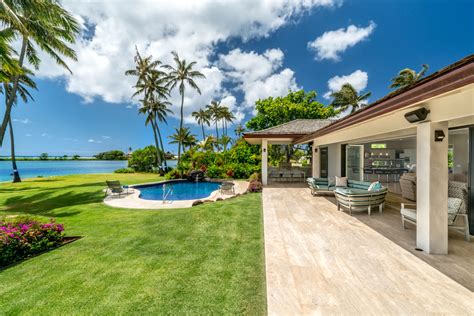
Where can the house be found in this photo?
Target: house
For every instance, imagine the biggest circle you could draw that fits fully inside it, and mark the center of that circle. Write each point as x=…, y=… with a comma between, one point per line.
x=426, y=129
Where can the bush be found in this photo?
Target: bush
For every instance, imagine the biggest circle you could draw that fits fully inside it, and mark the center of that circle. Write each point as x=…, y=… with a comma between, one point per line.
x=124, y=170
x=255, y=176
x=111, y=155
x=25, y=237
x=255, y=186
x=173, y=174
x=215, y=172
x=143, y=160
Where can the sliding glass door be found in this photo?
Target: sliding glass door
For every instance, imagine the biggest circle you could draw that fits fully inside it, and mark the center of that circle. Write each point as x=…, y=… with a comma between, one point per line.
x=355, y=162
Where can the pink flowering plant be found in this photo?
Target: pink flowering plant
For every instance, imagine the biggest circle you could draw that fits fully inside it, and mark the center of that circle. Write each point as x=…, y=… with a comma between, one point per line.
x=25, y=237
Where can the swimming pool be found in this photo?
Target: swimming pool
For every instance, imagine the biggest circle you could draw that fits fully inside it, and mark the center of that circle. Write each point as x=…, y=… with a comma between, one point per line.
x=181, y=190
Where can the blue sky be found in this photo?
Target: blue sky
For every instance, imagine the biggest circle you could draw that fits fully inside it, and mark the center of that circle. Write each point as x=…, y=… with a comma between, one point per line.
x=245, y=58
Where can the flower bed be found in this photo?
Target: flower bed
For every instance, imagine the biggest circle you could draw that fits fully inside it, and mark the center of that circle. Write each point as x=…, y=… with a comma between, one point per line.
x=25, y=237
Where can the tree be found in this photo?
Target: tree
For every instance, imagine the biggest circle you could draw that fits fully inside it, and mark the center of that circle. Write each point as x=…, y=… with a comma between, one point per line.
x=43, y=156
x=180, y=75
x=406, y=77
x=76, y=157
x=24, y=82
x=143, y=159
x=111, y=155
x=207, y=143
x=183, y=136
x=239, y=130
x=151, y=85
x=202, y=117
x=296, y=105
x=225, y=140
x=39, y=24
x=347, y=98
x=227, y=117
x=215, y=113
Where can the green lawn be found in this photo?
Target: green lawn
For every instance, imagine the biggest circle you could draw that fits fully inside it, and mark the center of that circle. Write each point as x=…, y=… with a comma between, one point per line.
x=200, y=260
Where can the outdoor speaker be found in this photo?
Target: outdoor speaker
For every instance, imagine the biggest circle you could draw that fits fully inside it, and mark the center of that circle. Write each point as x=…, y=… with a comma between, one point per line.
x=417, y=115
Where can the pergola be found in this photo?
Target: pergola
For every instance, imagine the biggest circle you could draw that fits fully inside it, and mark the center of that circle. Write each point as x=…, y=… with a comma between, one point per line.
x=283, y=134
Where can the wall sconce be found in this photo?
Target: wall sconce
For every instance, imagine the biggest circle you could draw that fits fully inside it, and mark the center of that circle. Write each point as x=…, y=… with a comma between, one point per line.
x=315, y=150
x=439, y=135
x=264, y=150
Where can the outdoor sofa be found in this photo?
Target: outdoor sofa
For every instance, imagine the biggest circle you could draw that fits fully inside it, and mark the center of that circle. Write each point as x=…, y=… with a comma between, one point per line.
x=357, y=195
x=285, y=175
x=457, y=209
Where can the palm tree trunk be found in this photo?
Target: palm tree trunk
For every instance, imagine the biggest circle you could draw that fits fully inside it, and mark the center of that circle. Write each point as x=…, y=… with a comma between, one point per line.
x=11, y=97
x=157, y=145
x=217, y=136
x=203, y=135
x=181, y=125
x=165, y=165
x=16, y=174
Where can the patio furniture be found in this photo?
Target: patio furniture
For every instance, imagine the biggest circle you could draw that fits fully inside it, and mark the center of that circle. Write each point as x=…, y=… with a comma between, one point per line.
x=408, y=186
x=457, y=209
x=287, y=175
x=227, y=187
x=361, y=195
x=320, y=185
x=114, y=187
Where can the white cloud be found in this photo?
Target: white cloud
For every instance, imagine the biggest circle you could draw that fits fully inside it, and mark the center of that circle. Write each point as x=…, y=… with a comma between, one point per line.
x=358, y=79
x=105, y=137
x=332, y=43
x=23, y=121
x=258, y=75
x=193, y=28
x=91, y=140
x=28, y=135
x=44, y=134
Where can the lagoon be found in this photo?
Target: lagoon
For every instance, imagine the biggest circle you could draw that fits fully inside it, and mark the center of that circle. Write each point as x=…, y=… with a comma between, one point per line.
x=33, y=169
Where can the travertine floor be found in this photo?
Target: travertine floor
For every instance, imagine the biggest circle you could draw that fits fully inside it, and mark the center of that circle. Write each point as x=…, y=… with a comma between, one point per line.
x=321, y=261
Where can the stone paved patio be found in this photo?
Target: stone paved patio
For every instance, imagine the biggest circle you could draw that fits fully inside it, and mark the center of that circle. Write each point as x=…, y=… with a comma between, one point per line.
x=322, y=261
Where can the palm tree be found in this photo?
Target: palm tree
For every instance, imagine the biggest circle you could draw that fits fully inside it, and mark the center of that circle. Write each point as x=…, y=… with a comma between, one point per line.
x=239, y=130
x=180, y=75
x=202, y=117
x=24, y=82
x=39, y=24
x=227, y=117
x=150, y=83
x=406, y=77
x=183, y=137
x=207, y=143
x=215, y=113
x=225, y=140
x=348, y=97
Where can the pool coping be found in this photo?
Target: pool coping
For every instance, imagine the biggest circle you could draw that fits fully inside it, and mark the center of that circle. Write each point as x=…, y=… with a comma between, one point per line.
x=133, y=201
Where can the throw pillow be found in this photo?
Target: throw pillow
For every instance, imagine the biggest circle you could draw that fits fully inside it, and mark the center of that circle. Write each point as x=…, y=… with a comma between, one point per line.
x=375, y=186
x=331, y=181
x=341, y=181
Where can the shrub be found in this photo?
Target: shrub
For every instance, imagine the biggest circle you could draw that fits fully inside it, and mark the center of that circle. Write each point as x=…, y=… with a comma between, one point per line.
x=255, y=186
x=124, y=170
x=143, y=160
x=173, y=174
x=255, y=176
x=214, y=172
x=25, y=237
x=111, y=155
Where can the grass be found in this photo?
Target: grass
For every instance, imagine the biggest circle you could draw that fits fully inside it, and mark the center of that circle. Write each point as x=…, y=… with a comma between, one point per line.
x=202, y=260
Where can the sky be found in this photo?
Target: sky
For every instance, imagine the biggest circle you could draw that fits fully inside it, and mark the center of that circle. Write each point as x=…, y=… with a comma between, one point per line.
x=247, y=49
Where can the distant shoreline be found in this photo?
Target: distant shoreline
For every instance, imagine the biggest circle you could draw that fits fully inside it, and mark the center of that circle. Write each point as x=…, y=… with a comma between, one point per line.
x=57, y=159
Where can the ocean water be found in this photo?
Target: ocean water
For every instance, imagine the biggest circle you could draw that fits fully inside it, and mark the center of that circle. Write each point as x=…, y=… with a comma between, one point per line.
x=33, y=169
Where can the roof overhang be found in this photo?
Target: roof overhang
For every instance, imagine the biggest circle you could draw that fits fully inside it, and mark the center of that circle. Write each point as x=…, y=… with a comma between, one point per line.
x=453, y=77
x=256, y=139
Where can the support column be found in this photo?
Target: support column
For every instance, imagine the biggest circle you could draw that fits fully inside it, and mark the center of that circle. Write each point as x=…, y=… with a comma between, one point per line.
x=315, y=161
x=432, y=188
x=264, y=162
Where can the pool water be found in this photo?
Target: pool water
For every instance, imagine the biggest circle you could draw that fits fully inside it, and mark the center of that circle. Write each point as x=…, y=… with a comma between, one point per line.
x=182, y=190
